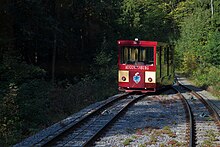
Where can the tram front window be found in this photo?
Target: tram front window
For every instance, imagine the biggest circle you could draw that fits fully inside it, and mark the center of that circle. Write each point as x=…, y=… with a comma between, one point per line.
x=137, y=55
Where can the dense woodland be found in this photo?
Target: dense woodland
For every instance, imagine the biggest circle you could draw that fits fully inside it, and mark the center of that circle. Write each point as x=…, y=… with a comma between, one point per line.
x=58, y=56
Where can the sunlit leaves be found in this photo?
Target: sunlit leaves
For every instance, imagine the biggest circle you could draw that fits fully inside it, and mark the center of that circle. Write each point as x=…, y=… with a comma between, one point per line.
x=194, y=31
x=145, y=19
x=212, y=54
x=198, y=47
x=182, y=10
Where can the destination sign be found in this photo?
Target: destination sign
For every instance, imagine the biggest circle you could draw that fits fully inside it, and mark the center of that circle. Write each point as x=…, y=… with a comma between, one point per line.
x=137, y=67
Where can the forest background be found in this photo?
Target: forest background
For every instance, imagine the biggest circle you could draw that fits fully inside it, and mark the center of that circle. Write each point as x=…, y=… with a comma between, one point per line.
x=57, y=57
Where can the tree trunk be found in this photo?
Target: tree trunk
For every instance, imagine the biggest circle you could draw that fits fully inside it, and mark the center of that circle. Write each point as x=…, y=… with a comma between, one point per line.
x=54, y=57
x=35, y=53
x=1, y=55
x=212, y=8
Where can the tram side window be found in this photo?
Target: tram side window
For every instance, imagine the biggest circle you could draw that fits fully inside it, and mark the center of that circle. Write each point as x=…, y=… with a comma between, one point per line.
x=171, y=60
x=165, y=55
x=168, y=52
x=149, y=55
x=159, y=61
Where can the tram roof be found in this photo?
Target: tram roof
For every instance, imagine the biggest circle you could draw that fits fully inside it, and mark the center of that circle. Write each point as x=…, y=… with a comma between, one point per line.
x=140, y=43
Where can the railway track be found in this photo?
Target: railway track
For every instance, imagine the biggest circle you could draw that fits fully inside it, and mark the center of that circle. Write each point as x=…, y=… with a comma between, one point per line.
x=200, y=128
x=85, y=131
x=189, y=119
x=205, y=126
x=156, y=120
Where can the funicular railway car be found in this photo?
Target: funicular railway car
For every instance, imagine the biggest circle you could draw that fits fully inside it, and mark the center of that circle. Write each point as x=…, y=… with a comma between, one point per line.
x=144, y=66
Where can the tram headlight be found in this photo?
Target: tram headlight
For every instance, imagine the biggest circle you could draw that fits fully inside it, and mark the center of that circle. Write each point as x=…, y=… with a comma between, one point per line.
x=150, y=79
x=123, y=78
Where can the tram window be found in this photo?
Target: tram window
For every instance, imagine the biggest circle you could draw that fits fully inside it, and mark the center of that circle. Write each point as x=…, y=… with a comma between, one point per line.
x=150, y=55
x=137, y=55
x=124, y=55
x=134, y=55
x=168, y=62
x=165, y=55
x=142, y=55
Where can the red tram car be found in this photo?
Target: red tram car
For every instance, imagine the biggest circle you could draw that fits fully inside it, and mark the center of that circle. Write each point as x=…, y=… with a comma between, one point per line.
x=144, y=66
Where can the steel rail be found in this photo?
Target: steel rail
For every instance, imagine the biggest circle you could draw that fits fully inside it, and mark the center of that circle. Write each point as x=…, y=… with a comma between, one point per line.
x=217, y=107
x=48, y=141
x=101, y=130
x=120, y=113
x=52, y=138
x=190, y=116
x=207, y=104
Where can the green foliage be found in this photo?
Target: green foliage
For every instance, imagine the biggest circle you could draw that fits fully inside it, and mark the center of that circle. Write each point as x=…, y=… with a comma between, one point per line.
x=34, y=96
x=9, y=113
x=19, y=72
x=212, y=49
x=193, y=34
x=198, y=48
x=216, y=19
x=101, y=83
x=127, y=141
x=189, y=63
x=23, y=93
x=145, y=19
x=104, y=68
x=182, y=10
x=207, y=75
x=211, y=138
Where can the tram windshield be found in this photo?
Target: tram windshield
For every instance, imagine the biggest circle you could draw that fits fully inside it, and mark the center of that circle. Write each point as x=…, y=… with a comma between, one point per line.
x=137, y=55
